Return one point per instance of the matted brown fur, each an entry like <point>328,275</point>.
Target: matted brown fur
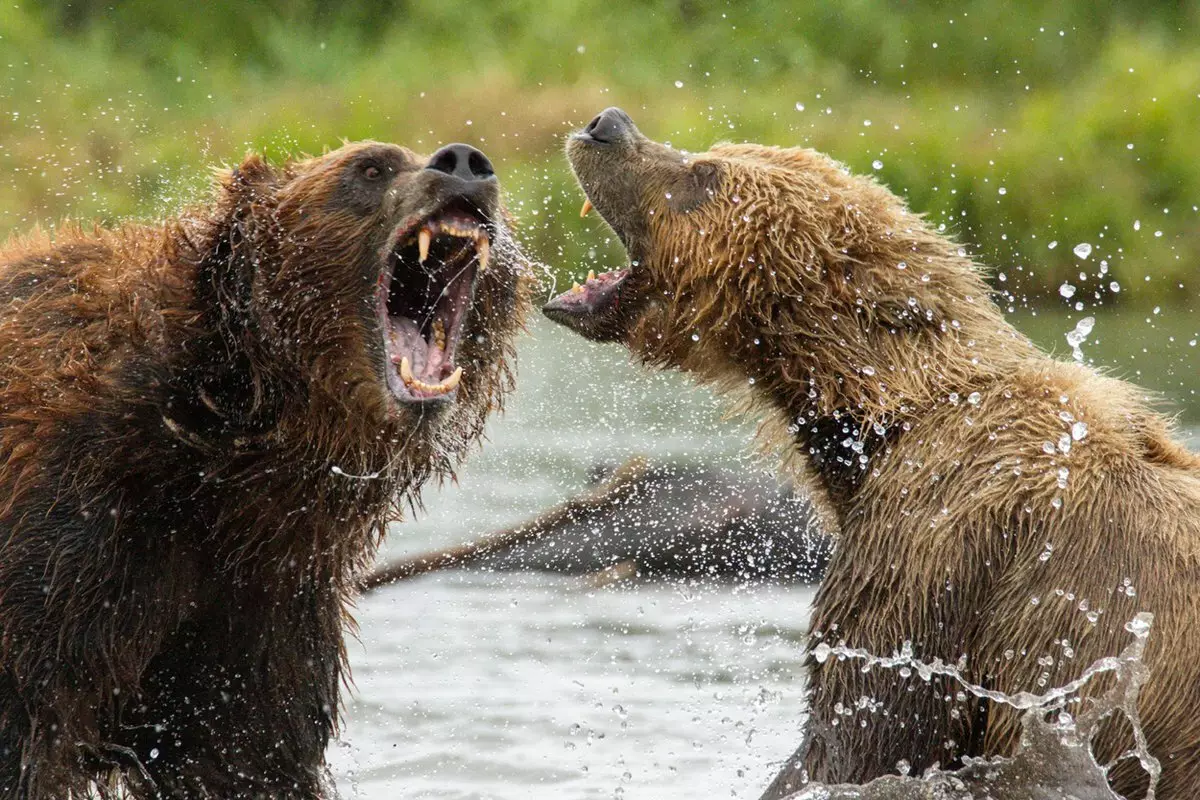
<point>935,437</point>
<point>198,457</point>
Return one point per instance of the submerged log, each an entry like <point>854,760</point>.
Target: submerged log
<point>653,521</point>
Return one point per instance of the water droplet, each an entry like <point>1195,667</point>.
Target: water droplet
<point>1052,245</point>
<point>1063,474</point>
<point>1140,625</point>
<point>974,397</point>
<point>1067,290</point>
<point>1083,250</point>
<point>1079,430</point>
<point>678,84</point>
<point>1078,336</point>
<point>877,164</point>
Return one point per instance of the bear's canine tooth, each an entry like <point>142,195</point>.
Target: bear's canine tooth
<point>576,288</point>
<point>591,275</point>
<point>406,371</point>
<point>587,206</point>
<point>451,383</point>
<point>424,238</point>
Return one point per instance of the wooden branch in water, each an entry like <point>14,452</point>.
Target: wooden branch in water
<point>620,483</point>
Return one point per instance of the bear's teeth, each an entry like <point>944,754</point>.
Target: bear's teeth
<point>587,206</point>
<point>576,288</point>
<point>451,383</point>
<point>424,238</point>
<point>439,334</point>
<point>483,251</point>
<point>445,387</point>
<point>591,275</point>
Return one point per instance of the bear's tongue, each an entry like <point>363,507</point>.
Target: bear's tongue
<point>580,305</point>
<point>424,301</point>
<point>423,365</point>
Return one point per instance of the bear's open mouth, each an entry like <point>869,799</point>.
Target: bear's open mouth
<point>425,292</point>
<point>598,294</point>
<point>581,306</point>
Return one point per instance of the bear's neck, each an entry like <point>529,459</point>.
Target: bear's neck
<point>845,402</point>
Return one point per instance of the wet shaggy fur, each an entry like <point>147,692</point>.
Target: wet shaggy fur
<point>996,508</point>
<point>177,550</point>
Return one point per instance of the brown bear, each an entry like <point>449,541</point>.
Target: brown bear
<point>996,509</point>
<point>205,425</point>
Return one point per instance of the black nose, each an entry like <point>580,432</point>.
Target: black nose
<point>610,125</point>
<point>462,161</point>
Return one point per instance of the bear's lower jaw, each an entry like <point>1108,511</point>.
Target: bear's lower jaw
<point>425,294</point>
<point>594,309</point>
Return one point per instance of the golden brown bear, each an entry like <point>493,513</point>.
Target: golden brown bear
<point>205,425</point>
<point>996,508</point>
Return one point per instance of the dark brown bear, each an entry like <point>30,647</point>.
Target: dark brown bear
<point>996,508</point>
<point>205,426</point>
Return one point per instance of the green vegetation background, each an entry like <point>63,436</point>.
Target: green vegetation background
<point>1025,127</point>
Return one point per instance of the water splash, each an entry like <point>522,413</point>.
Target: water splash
<point>1053,759</point>
<point>1079,335</point>
<point>336,470</point>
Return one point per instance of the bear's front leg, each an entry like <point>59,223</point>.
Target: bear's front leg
<point>84,606</point>
<point>863,725</point>
<point>235,709</point>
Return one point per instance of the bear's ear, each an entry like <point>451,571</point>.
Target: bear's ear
<point>699,184</point>
<point>232,252</point>
<point>253,177</point>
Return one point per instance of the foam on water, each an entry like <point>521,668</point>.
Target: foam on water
<point>1053,759</point>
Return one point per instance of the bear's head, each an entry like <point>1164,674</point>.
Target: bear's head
<point>776,271</point>
<point>366,294</point>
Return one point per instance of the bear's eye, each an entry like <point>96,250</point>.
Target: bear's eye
<point>372,172</point>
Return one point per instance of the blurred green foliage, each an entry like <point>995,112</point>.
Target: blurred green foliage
<point>1024,127</point>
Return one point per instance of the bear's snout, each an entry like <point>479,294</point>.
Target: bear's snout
<point>462,161</point>
<point>610,126</point>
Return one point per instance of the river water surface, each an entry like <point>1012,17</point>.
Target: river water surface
<point>478,685</point>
